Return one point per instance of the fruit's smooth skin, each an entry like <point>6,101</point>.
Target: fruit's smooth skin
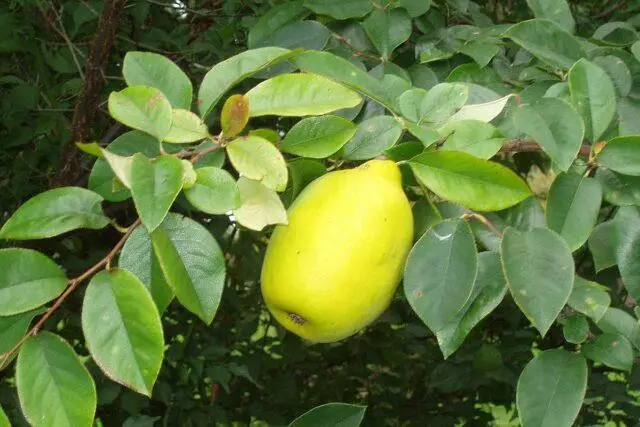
<point>335,267</point>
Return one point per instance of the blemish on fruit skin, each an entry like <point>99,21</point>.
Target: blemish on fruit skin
<point>417,293</point>
<point>297,319</point>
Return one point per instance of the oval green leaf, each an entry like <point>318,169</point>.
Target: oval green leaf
<point>192,263</point>
<point>472,182</point>
<point>602,245</point>
<point>477,138</point>
<point>151,69</point>
<point>54,387</point>
<point>13,328</point>
<point>576,329</point>
<point>154,187</point>
<point>299,95</point>
<point>618,189</point>
<point>617,321</point>
<point>215,191</point>
<point>331,414</point>
<point>372,138</point>
<point>259,205</point>
<point>539,269</point>
<point>186,127</point>
<point>440,272</point>
<point>387,29</point>
<point>143,108</point>
<point>318,137</point>
<point>551,389</point>
<point>557,11</point>
<point>258,159</point>
<point>137,256</point>
<point>555,125</point>
<point>28,279</point>
<point>589,298</point>
<point>573,205</point>
<point>55,212</point>
<point>594,96</point>
<point>622,155</point>
<point>488,291</point>
<point>612,350</point>
<point>226,74</point>
<point>122,329</point>
<point>547,41</point>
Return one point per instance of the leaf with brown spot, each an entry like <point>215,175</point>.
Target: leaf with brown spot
<point>235,115</point>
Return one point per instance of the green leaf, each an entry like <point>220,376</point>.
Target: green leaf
<point>234,116</point>
<point>411,104</point>
<point>539,269</point>
<point>303,172</point>
<point>616,321</point>
<point>387,29</point>
<point>137,256</point>
<point>425,134</point>
<point>472,182</point>
<point>331,414</point>
<point>143,108</point>
<point>547,41</point>
<point>557,11</point>
<point>415,8</point>
<point>425,215</point>
<point>299,95</point>
<point>612,350</point>
<point>340,9</point>
<point>589,298</point>
<point>258,159</point>
<point>617,71</point>
<point>484,112</point>
<point>318,137</point>
<point>4,420</point>
<point>259,205</point>
<point>91,148</point>
<point>594,96</point>
<point>372,137</point>
<point>345,72</point>
<point>602,245</point>
<point>442,101</point>
<point>123,330</point>
<point>488,291</point>
<point>440,272</point>
<point>185,127</point>
<point>102,177</point>
<point>274,19</point>
<point>28,279</point>
<point>551,389</point>
<point>55,389</point>
<point>618,189</point>
<point>13,328</point>
<point>192,263</point>
<point>55,212</point>
<point>404,151</point>
<point>480,52</point>
<point>575,329</point>
<point>226,74</point>
<point>525,216</point>
<point>215,191</point>
<point>627,249</point>
<point>477,138</point>
<point>616,34</point>
<point>622,155</point>
<point>628,110</point>
<point>151,69</point>
<point>154,186</point>
<point>555,125</point>
<point>308,35</point>
<point>573,205</point>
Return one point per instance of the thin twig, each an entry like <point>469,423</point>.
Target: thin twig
<point>356,51</point>
<point>484,220</point>
<point>530,145</point>
<point>201,154</point>
<point>73,284</point>
<point>61,31</point>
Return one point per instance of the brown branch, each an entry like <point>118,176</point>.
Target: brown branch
<point>611,10</point>
<point>73,284</point>
<point>356,51</point>
<point>89,98</point>
<point>530,146</point>
<point>484,220</point>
